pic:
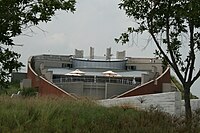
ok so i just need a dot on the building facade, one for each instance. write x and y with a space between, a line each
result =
99 78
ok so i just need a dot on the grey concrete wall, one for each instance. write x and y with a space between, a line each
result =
195 104
113 89
49 76
87 89
145 64
25 83
94 93
75 88
18 76
91 53
45 73
145 78
94 90
167 87
79 53
168 102
50 61
121 55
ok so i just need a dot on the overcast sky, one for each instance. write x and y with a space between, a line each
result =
95 23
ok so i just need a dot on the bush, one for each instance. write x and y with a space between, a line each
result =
28 92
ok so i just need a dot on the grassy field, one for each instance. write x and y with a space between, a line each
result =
61 115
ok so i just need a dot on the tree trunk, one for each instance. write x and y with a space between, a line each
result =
188 111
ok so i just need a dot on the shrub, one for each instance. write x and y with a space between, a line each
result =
28 92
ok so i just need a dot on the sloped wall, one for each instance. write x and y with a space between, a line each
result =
167 102
151 87
44 86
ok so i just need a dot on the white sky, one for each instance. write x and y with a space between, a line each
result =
95 23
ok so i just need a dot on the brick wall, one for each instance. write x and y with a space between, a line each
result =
151 87
44 86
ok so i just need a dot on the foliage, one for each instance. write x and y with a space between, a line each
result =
28 92
17 16
13 87
61 115
173 26
8 62
179 86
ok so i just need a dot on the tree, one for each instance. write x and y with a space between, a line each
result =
19 15
168 22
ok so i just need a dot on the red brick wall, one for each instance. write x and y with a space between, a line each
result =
44 86
33 76
150 87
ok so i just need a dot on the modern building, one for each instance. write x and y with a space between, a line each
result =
98 78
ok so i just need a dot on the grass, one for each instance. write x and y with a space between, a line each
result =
50 114
14 87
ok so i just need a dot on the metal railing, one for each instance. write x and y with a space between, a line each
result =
96 80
